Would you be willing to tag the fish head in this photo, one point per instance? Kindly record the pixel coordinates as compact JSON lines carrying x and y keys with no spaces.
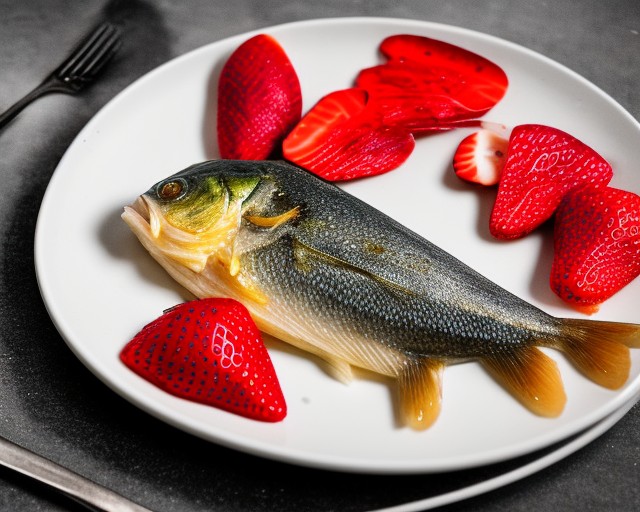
{"x":198,"y":202}
{"x":193,"y":214}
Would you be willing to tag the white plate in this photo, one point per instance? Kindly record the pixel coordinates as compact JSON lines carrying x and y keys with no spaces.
{"x":100,"y":286}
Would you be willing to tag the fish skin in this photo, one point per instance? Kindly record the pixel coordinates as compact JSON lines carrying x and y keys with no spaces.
{"x":348,"y":283}
{"x":412,"y":296}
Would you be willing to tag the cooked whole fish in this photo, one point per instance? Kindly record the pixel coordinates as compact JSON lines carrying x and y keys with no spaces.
{"x":326,"y":272}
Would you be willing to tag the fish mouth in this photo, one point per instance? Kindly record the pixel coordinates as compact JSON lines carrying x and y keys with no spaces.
{"x":144,"y":215}
{"x":138,"y":212}
{"x":139,"y":218}
{"x":137,"y":215}
{"x":206,"y":264}
{"x":141,"y":206}
{"x":189,"y":249}
{"x":163,"y":240}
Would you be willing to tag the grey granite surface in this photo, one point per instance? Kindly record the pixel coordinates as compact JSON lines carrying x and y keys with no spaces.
{"x":50,"y":403}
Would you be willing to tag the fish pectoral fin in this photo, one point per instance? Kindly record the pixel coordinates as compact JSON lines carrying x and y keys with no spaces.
{"x":531,"y":376}
{"x":275,"y":221}
{"x":420,"y":392}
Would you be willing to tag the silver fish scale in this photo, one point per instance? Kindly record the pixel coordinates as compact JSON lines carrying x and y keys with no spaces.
{"x":366,"y":308}
{"x":346,"y":263}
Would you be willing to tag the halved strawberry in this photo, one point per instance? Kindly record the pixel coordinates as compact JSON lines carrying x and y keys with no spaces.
{"x":480,"y":157}
{"x":259,"y":100}
{"x":596,"y":245}
{"x":342,"y":137}
{"x":543,"y":164}
{"x":427,"y":82}
{"x":209,"y":351}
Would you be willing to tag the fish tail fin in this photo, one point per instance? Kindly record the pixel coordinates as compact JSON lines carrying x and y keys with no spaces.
{"x":531,"y":376}
{"x":420,"y":392}
{"x":600,"y":349}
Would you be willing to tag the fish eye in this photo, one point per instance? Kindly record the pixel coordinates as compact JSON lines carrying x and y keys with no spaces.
{"x":172,"y":189}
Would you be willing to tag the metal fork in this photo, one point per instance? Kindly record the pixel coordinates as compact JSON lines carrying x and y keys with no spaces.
{"x":77,"y":71}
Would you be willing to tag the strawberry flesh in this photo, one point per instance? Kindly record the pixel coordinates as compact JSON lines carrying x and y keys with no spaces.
{"x":209,"y":351}
{"x":426,"y":82}
{"x":259,"y":100}
{"x":596,"y":245}
{"x":543,"y":165}
{"x":343,"y":137}
{"x":425,"y":86}
{"x":480,"y":157}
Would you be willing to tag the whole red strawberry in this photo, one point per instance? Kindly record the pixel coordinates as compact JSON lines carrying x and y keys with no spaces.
{"x":259,"y":100}
{"x":209,"y":351}
{"x":543,"y":164}
{"x":596,"y":245}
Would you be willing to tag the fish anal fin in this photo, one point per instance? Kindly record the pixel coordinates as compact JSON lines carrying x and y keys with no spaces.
{"x":339,"y":369}
{"x":420,"y":392}
{"x":530,"y":376}
{"x":600,"y":349}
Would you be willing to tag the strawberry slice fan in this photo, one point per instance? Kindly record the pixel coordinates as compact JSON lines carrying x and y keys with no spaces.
{"x":425,"y":86}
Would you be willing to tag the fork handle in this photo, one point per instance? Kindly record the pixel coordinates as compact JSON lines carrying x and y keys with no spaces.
{"x":93,"y":496}
{"x":50,"y":84}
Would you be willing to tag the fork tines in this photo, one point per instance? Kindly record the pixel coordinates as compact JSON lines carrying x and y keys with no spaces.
{"x":90,"y":55}
{"x":76,"y":72}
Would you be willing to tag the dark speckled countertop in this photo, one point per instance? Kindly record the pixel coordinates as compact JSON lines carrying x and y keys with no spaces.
{"x":50,"y":403}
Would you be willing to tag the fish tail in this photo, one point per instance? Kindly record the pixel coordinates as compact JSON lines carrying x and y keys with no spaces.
{"x":600,"y":349}
{"x":420,"y":392}
{"x":530,"y":376}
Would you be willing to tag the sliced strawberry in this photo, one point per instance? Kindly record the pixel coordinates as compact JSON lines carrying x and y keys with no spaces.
{"x":330,"y":112}
{"x":209,"y":351}
{"x":343,"y":138}
{"x":596,"y":245}
{"x":543,"y":164}
{"x":489,"y":81}
{"x":427,"y":82}
{"x":259,"y":100}
{"x":480,"y":157}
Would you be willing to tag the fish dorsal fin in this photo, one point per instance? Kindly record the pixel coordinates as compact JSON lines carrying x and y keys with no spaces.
{"x":305,"y":255}
{"x":420,"y":392}
{"x":531,"y":376}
